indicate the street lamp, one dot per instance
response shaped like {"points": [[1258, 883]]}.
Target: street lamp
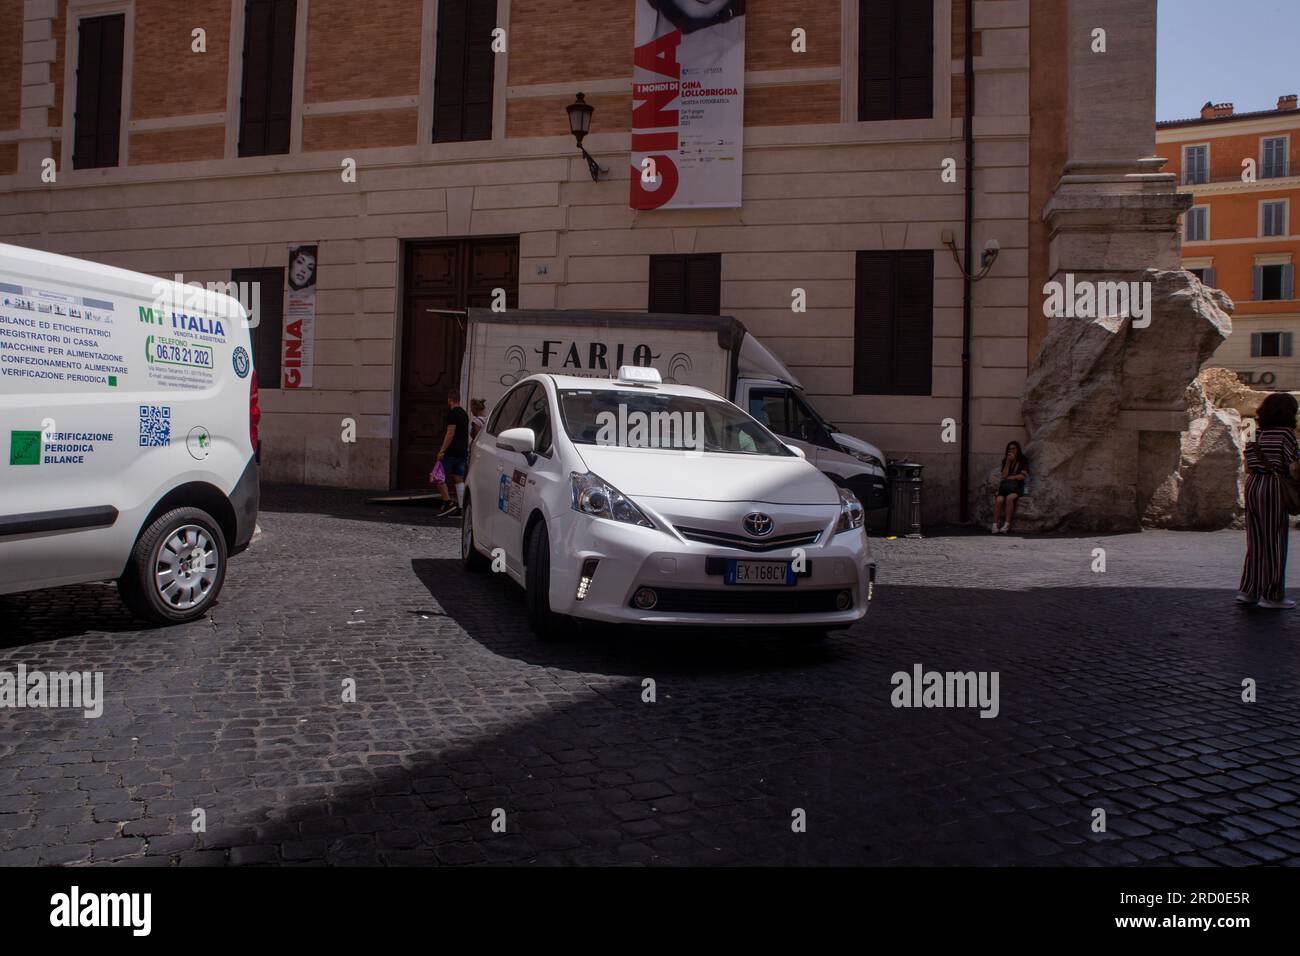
{"points": [[580, 125]]}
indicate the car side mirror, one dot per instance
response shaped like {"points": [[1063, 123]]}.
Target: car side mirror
{"points": [[798, 451], [522, 441]]}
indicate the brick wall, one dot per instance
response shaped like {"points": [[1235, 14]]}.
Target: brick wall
{"points": [[591, 41], [600, 48], [767, 34], [11, 63], [177, 145], [362, 50], [959, 54], [168, 78], [792, 105], [359, 130]]}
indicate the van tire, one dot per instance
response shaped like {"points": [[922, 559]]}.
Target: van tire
{"points": [[138, 586], [537, 584], [474, 560]]}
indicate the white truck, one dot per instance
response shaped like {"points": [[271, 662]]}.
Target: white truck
{"points": [[708, 351]]}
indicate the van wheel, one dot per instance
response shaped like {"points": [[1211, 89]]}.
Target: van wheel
{"points": [[537, 585], [469, 555], [176, 568]]}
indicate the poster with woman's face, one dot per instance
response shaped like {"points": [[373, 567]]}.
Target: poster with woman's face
{"points": [[688, 104], [299, 341], [302, 267], [692, 15]]}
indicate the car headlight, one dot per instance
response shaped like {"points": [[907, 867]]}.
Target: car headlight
{"points": [[850, 511], [868, 459], [594, 496]]}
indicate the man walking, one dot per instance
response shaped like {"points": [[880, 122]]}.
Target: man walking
{"points": [[454, 454]]}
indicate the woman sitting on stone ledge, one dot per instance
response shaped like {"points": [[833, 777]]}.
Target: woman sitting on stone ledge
{"points": [[1271, 459], [1015, 471]]}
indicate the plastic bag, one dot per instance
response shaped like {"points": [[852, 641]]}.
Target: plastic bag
{"points": [[439, 475]]}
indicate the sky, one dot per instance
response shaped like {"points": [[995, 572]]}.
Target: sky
{"points": [[1243, 52]]}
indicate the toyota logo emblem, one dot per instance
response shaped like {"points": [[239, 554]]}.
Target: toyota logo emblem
{"points": [[758, 524]]}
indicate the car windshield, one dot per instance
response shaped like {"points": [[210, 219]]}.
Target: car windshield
{"points": [[646, 419]]}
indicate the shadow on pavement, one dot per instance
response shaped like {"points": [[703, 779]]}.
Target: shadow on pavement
{"points": [[354, 505], [490, 607], [1124, 699]]}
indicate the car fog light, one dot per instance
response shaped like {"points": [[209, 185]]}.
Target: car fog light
{"points": [[843, 601], [645, 598]]}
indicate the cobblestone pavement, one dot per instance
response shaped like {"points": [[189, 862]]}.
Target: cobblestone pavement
{"points": [[1119, 690]]}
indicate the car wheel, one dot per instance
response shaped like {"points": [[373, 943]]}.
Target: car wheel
{"points": [[176, 568], [470, 557], [537, 584]]}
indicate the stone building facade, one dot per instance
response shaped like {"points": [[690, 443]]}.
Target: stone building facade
{"points": [[437, 219]]}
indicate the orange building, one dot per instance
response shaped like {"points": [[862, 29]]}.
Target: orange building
{"points": [[1241, 233]]}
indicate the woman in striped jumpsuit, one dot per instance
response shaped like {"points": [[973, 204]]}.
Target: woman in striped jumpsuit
{"points": [[1270, 460]]}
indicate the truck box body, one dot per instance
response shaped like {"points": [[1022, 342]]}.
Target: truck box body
{"points": [[708, 351], [502, 348]]}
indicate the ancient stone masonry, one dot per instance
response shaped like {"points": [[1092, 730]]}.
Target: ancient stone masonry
{"points": [[1207, 489], [1106, 404]]}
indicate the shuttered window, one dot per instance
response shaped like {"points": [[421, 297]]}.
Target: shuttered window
{"points": [[689, 284], [1271, 283], [462, 83], [262, 293], [1196, 227], [895, 59], [1270, 345], [1274, 164], [1273, 218], [98, 119], [893, 344], [266, 104], [1196, 165]]}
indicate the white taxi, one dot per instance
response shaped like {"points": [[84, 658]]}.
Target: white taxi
{"points": [[631, 501]]}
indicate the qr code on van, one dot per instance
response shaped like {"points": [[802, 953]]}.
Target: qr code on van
{"points": [[155, 426]]}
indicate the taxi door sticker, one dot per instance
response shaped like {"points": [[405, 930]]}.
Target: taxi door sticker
{"points": [[510, 495]]}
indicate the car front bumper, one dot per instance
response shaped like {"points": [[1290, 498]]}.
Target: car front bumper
{"points": [[689, 579]]}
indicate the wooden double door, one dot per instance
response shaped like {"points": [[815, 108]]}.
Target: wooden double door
{"points": [[451, 275]]}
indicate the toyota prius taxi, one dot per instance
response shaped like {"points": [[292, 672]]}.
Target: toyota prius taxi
{"points": [[631, 501]]}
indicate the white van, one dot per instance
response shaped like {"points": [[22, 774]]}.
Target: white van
{"points": [[128, 419]]}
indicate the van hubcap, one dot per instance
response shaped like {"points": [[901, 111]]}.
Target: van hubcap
{"points": [[187, 567]]}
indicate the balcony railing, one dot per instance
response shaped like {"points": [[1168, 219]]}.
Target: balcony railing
{"points": [[1262, 175]]}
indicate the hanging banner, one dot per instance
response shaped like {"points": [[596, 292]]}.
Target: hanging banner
{"points": [[299, 343], [688, 86]]}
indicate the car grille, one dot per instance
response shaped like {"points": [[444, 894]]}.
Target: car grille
{"points": [[745, 543], [745, 601]]}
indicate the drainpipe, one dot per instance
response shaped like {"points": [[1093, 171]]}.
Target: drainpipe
{"points": [[967, 282]]}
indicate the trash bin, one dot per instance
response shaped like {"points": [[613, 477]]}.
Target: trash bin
{"points": [[904, 498]]}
